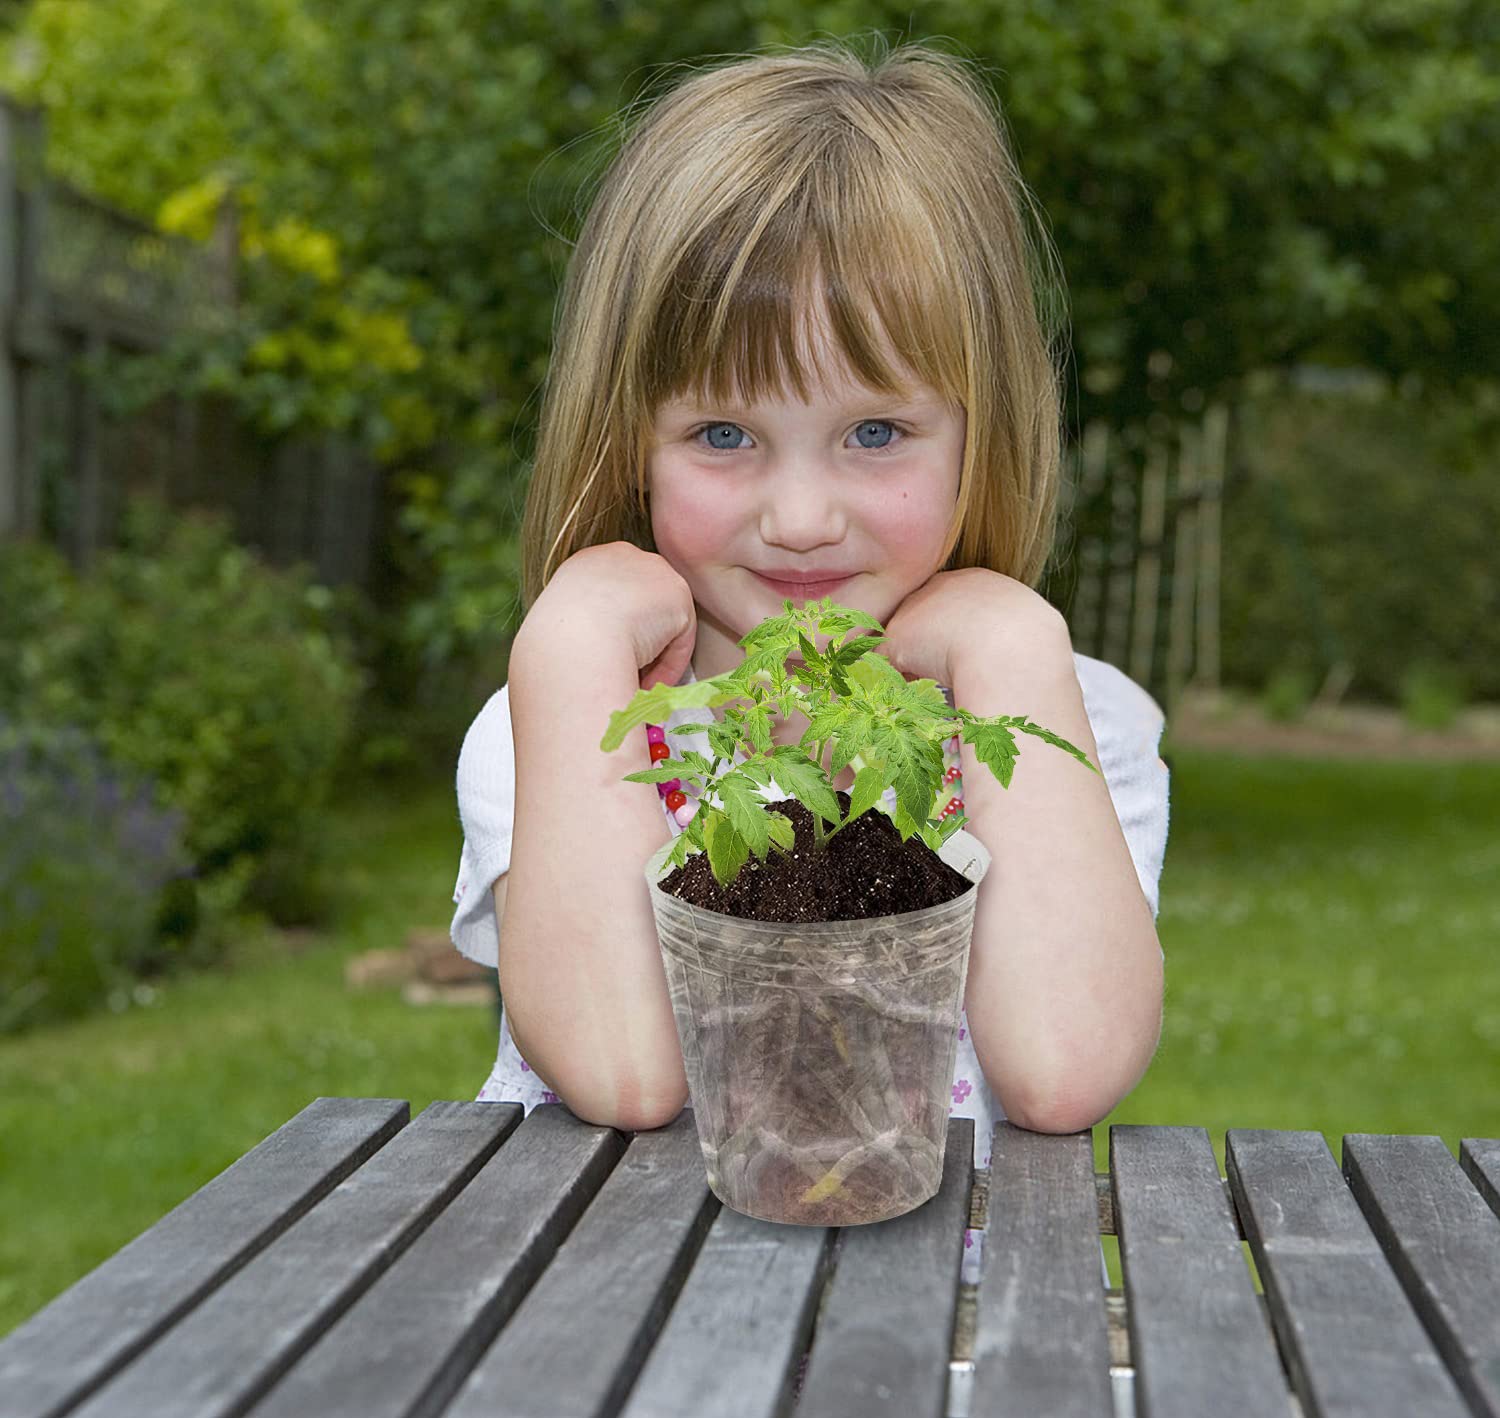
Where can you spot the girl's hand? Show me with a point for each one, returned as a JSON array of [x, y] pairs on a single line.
[[616, 588], [954, 614]]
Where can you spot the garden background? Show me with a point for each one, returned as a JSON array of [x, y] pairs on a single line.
[[279, 278]]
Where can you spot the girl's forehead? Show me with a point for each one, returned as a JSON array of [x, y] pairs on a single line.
[[848, 397]]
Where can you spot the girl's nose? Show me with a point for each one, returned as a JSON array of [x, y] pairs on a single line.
[[802, 509]]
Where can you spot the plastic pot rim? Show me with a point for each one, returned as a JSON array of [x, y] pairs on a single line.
[[963, 851]]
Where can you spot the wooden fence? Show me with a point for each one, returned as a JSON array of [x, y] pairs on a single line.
[[78, 279], [1141, 523]]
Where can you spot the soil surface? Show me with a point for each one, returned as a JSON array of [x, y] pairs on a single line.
[[864, 870]]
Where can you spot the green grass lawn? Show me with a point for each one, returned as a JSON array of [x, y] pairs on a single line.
[[1329, 927], [107, 1123], [1330, 931]]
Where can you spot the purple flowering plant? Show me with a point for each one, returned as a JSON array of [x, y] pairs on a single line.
[[69, 816]]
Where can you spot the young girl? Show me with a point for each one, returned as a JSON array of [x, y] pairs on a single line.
[[800, 353]]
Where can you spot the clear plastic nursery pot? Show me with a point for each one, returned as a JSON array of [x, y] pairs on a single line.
[[819, 1055]]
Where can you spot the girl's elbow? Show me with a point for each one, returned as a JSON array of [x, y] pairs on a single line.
[[1056, 1113], [1069, 1099], [628, 1108]]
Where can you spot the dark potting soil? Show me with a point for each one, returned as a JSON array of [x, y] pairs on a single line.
[[864, 870]]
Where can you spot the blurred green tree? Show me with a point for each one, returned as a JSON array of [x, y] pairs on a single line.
[[1229, 188]]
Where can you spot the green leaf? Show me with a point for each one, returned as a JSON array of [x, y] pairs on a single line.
[[662, 772], [757, 728], [1037, 731], [722, 738], [680, 850], [655, 705], [923, 699], [870, 784], [994, 745], [915, 766], [810, 655], [857, 704], [843, 659], [783, 833], [745, 808], [698, 763], [875, 671], [804, 780], [727, 850]]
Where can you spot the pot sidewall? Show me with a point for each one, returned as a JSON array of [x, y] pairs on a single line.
[[700, 992]]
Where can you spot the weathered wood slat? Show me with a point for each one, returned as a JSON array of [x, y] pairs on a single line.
[[407, 1343], [578, 1340], [1480, 1159], [733, 1340], [1352, 1342], [1041, 1341], [885, 1332], [223, 1355], [1443, 1243], [1199, 1337], [89, 1332]]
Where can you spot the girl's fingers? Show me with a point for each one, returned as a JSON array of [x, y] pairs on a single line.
[[670, 666]]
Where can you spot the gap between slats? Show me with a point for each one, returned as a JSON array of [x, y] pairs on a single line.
[[1114, 1298], [979, 1202]]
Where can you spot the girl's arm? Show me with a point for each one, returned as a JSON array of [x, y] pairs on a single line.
[[580, 968], [1064, 993]]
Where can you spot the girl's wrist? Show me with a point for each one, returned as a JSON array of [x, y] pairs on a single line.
[[550, 642]]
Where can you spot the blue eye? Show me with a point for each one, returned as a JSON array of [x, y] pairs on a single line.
[[875, 424], [715, 428], [730, 434]]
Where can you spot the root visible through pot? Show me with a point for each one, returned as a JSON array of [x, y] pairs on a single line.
[[827, 1136]]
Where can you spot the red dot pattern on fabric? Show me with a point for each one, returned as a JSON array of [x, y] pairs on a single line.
[[952, 778]]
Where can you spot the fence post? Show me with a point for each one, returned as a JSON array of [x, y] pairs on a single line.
[[1215, 444], [87, 420], [29, 342], [1184, 564], [1120, 556], [38, 345], [1148, 561], [10, 300], [1092, 461]]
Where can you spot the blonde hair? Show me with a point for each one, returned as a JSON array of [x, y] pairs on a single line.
[[889, 188]]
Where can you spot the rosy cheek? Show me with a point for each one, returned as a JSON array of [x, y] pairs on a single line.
[[690, 521], [909, 525]]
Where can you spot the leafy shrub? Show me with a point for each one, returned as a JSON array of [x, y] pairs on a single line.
[[1358, 530], [222, 680], [1432, 694], [1287, 694], [86, 856]]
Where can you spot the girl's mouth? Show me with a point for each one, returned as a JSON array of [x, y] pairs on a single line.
[[807, 590]]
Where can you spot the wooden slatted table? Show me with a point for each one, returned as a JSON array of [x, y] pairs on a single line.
[[472, 1261]]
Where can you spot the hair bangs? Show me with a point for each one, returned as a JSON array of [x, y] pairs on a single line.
[[736, 319]]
